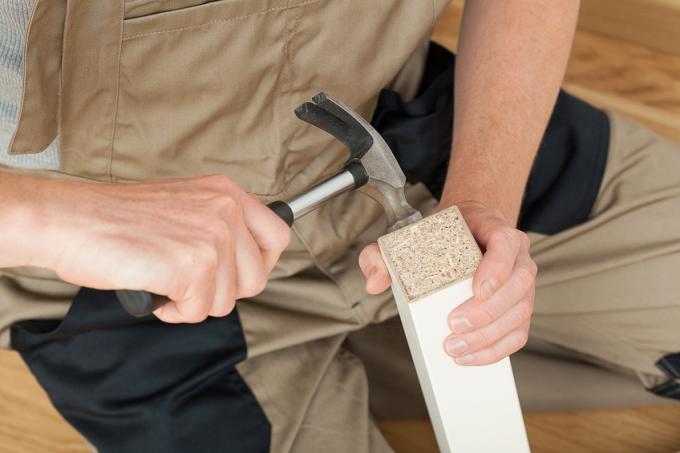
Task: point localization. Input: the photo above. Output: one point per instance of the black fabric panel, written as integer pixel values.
(419, 132)
(566, 174)
(140, 385)
(670, 365)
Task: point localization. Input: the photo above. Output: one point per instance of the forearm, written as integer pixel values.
(511, 61)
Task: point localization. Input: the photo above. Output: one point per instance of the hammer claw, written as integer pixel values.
(334, 119)
(341, 111)
(386, 180)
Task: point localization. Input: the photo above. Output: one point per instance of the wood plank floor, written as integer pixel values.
(631, 430)
(653, 23)
(29, 424)
(616, 74)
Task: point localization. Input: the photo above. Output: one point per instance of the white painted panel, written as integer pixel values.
(474, 409)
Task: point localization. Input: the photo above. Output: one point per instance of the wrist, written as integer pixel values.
(22, 199)
(488, 174)
(465, 198)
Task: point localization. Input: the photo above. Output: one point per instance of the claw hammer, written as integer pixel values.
(371, 168)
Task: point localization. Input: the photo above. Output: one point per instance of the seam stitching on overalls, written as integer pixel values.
(293, 31)
(609, 166)
(60, 98)
(117, 93)
(327, 273)
(329, 172)
(434, 13)
(219, 21)
(286, 79)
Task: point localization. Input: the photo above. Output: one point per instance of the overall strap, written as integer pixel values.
(38, 121)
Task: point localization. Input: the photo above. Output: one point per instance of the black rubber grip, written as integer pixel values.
(282, 210)
(358, 172)
(139, 303)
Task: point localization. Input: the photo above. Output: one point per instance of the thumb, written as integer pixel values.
(374, 269)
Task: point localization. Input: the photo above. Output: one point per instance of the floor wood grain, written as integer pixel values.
(631, 430)
(614, 73)
(28, 422)
(611, 73)
(652, 23)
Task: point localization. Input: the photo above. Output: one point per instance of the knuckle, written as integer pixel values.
(453, 314)
(365, 257)
(533, 268)
(231, 304)
(496, 353)
(524, 238)
(223, 310)
(193, 312)
(524, 310)
(282, 237)
(504, 234)
(492, 263)
(498, 235)
(524, 279)
(253, 285)
(486, 314)
(195, 318)
(519, 339)
(489, 335)
(497, 213)
(260, 284)
(216, 229)
(205, 261)
(228, 207)
(217, 180)
(179, 289)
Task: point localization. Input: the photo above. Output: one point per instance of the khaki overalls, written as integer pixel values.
(139, 89)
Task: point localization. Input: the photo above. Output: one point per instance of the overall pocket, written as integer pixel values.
(199, 89)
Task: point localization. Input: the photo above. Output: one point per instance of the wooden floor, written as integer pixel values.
(634, 430)
(29, 424)
(628, 78)
(616, 73)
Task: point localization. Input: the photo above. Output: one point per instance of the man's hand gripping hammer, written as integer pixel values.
(371, 168)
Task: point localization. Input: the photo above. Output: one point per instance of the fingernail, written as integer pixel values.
(460, 324)
(488, 287)
(465, 360)
(456, 346)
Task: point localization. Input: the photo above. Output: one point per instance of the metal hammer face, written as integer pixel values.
(385, 181)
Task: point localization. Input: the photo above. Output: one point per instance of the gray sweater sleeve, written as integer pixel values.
(14, 19)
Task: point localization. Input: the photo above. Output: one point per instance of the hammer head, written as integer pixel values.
(386, 180)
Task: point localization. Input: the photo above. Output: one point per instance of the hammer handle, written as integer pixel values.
(143, 303)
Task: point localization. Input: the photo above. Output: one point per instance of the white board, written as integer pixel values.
(473, 409)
